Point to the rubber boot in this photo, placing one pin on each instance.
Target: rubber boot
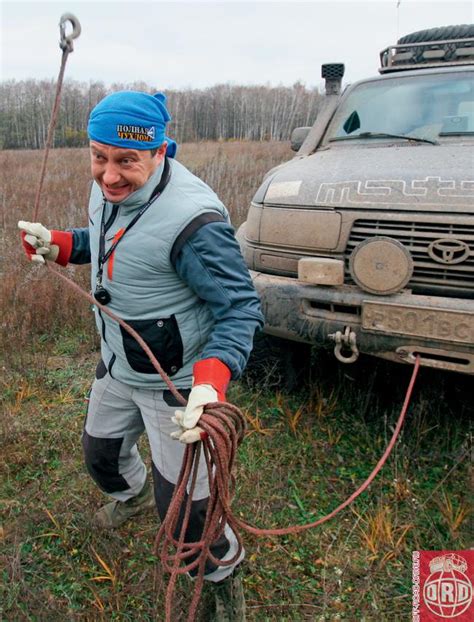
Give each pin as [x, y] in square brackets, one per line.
[229, 599]
[116, 513]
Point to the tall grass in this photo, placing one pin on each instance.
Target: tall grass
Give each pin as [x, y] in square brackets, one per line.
[36, 304]
[304, 453]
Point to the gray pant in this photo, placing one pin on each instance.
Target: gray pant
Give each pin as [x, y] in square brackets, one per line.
[117, 416]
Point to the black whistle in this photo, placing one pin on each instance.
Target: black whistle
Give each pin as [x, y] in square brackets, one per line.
[102, 295]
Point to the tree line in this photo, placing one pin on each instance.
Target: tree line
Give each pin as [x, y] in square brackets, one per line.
[220, 112]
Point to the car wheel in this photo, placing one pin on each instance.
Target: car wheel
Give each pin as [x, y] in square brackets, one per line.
[278, 363]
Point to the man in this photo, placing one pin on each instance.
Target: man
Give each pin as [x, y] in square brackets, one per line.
[164, 258]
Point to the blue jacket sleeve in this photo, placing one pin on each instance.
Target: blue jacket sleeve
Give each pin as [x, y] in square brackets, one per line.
[211, 264]
[81, 252]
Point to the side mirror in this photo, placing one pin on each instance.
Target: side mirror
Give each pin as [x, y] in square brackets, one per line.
[298, 136]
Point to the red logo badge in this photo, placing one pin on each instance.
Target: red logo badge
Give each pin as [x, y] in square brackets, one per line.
[443, 586]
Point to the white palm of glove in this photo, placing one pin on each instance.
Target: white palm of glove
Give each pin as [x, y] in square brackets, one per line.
[187, 420]
[39, 238]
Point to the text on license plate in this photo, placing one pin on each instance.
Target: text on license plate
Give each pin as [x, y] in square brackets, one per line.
[427, 322]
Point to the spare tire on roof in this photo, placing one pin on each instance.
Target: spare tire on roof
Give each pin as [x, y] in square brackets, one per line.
[442, 33]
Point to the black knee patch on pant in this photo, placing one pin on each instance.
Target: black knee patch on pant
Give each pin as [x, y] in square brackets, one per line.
[101, 456]
[163, 493]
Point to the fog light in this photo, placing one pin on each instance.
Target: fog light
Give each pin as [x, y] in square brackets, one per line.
[321, 271]
[381, 265]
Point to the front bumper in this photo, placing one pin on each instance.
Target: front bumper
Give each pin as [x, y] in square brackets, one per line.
[396, 327]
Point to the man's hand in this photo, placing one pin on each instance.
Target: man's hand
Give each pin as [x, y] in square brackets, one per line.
[210, 380]
[200, 395]
[40, 243]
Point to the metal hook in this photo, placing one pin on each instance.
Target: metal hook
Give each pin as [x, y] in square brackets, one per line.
[345, 341]
[66, 40]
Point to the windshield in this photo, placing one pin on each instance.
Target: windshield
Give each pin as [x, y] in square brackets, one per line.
[423, 106]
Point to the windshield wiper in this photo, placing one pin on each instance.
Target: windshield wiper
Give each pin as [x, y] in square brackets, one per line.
[457, 133]
[385, 135]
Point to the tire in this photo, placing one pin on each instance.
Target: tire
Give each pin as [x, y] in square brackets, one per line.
[277, 363]
[443, 33]
[462, 31]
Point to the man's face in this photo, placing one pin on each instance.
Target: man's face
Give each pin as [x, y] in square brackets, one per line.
[120, 171]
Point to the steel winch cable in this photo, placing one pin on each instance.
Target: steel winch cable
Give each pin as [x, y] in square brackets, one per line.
[224, 425]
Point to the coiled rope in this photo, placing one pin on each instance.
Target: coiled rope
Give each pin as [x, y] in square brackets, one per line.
[225, 427]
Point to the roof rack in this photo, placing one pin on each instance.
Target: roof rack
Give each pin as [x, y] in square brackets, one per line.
[427, 54]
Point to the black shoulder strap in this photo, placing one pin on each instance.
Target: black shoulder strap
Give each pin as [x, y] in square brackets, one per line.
[190, 229]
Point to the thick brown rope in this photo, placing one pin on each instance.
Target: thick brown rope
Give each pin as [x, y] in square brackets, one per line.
[125, 326]
[224, 435]
[224, 425]
[52, 125]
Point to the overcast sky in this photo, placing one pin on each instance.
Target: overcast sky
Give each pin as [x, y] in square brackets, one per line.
[198, 44]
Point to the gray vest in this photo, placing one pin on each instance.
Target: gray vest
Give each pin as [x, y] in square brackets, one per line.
[145, 289]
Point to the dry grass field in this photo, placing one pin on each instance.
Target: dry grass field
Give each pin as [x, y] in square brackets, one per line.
[33, 304]
[305, 451]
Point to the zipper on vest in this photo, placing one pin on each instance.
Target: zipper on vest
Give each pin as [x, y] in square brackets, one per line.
[113, 216]
[111, 363]
[103, 324]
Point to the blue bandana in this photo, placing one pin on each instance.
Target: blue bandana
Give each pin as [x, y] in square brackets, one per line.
[131, 119]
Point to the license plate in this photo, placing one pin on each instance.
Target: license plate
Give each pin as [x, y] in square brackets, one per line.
[442, 324]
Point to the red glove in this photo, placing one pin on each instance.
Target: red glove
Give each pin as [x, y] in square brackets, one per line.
[210, 380]
[40, 243]
[213, 372]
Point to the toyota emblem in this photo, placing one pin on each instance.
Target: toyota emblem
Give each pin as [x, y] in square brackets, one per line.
[448, 251]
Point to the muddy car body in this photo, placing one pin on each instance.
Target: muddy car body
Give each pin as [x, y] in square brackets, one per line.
[364, 241]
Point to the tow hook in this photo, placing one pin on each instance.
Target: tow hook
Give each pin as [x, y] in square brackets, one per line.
[66, 42]
[345, 341]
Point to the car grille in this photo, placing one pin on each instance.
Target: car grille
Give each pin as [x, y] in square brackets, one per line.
[429, 276]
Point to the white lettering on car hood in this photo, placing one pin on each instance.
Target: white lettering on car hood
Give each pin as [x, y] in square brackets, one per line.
[395, 191]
